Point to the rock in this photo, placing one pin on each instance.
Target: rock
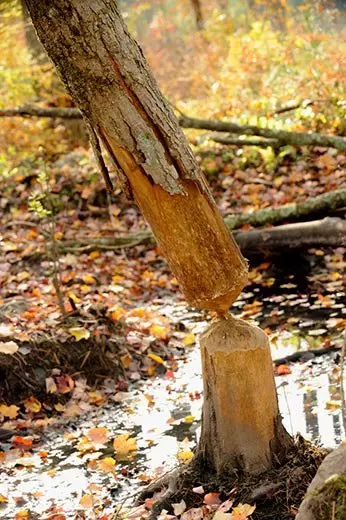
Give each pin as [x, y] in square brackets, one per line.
[328, 486]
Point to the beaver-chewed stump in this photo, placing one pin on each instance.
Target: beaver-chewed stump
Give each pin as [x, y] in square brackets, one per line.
[241, 423]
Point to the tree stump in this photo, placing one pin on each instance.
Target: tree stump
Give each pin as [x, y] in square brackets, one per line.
[241, 422]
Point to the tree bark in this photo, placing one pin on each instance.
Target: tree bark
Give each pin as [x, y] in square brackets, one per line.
[319, 233]
[107, 75]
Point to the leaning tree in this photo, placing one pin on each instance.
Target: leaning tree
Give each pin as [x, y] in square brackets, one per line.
[108, 77]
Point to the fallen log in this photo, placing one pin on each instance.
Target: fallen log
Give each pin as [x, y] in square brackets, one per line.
[282, 136]
[326, 202]
[327, 232]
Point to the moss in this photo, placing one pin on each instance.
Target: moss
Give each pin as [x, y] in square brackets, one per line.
[330, 500]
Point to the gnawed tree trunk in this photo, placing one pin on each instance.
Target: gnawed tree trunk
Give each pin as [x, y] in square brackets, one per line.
[241, 424]
[109, 79]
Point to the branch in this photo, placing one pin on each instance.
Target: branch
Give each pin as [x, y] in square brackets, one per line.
[322, 203]
[35, 111]
[293, 138]
[282, 136]
[326, 232]
[245, 142]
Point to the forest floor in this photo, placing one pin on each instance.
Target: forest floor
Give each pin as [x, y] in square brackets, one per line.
[127, 327]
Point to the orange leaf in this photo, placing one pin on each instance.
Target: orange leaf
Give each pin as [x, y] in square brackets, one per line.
[98, 435]
[282, 370]
[212, 499]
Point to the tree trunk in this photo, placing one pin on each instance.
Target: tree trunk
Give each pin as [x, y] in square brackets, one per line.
[108, 77]
[241, 424]
[197, 9]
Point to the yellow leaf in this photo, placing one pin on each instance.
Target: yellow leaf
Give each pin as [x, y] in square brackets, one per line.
[88, 279]
[106, 465]
[73, 297]
[32, 405]
[242, 512]
[98, 435]
[22, 515]
[94, 254]
[189, 419]
[159, 332]
[87, 501]
[79, 333]
[185, 456]
[9, 411]
[96, 398]
[156, 358]
[3, 499]
[124, 445]
[189, 339]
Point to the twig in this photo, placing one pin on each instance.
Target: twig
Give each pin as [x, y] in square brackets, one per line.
[342, 384]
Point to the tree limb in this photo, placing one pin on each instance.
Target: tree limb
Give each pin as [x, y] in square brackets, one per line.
[328, 201]
[35, 111]
[327, 232]
[282, 136]
[293, 138]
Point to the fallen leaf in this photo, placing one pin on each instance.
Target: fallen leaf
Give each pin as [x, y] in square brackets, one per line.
[79, 333]
[107, 465]
[9, 411]
[190, 339]
[32, 405]
[242, 512]
[212, 499]
[156, 358]
[8, 347]
[159, 332]
[87, 501]
[179, 508]
[124, 445]
[199, 490]
[185, 456]
[189, 419]
[22, 441]
[98, 435]
[283, 370]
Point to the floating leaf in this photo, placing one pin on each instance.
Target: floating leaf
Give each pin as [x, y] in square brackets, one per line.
[189, 419]
[98, 435]
[124, 445]
[87, 501]
[283, 370]
[107, 465]
[185, 456]
[79, 333]
[190, 339]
